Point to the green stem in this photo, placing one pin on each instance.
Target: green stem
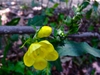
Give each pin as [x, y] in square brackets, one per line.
[8, 46]
[47, 69]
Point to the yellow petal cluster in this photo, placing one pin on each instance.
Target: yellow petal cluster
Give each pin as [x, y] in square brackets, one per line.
[39, 54]
[45, 31]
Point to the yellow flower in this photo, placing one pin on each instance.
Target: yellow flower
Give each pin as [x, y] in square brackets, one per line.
[45, 31]
[39, 54]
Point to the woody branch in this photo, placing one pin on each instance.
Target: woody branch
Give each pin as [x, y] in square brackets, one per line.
[30, 30]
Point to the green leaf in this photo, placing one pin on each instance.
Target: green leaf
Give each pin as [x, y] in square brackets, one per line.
[55, 5]
[61, 17]
[71, 49]
[88, 13]
[95, 5]
[13, 22]
[55, 32]
[36, 20]
[73, 28]
[95, 42]
[77, 49]
[91, 28]
[83, 5]
[46, 21]
[49, 11]
[7, 48]
[57, 63]
[19, 67]
[78, 16]
[15, 37]
[66, 1]
[29, 72]
[68, 20]
[4, 70]
[53, 24]
[93, 51]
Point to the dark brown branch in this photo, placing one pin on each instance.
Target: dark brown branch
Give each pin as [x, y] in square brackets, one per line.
[16, 30]
[30, 30]
[85, 34]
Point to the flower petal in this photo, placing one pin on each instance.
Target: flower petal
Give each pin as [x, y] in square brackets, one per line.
[46, 42]
[45, 31]
[33, 47]
[41, 52]
[28, 59]
[40, 64]
[52, 56]
[48, 47]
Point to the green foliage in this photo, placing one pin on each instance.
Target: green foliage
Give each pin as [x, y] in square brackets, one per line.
[49, 11]
[95, 42]
[68, 20]
[14, 21]
[57, 64]
[8, 46]
[91, 28]
[83, 5]
[14, 37]
[95, 5]
[71, 48]
[36, 20]
[88, 14]
[55, 5]
[12, 68]
[19, 67]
